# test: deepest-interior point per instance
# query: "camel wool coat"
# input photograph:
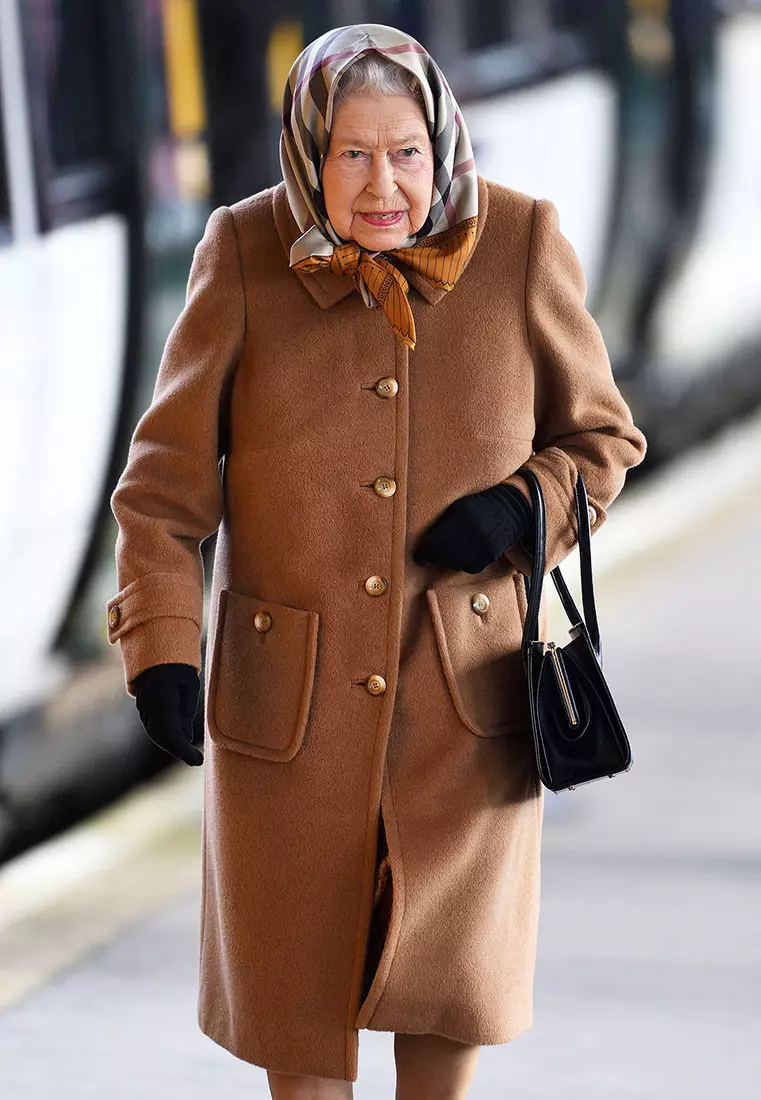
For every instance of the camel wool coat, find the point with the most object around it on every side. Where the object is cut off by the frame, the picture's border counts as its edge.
(346, 687)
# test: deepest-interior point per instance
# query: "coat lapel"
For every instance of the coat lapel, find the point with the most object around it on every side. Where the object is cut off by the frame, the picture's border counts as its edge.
(327, 288)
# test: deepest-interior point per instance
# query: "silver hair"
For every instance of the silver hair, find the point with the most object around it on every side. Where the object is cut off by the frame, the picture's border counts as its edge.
(375, 74)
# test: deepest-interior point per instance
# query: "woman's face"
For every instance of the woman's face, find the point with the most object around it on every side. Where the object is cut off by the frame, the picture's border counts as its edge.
(380, 161)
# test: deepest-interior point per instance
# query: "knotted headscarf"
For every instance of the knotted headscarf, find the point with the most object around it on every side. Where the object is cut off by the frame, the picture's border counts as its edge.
(439, 249)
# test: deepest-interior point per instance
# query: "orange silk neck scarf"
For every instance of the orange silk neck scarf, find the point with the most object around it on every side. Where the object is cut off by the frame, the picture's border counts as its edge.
(440, 259)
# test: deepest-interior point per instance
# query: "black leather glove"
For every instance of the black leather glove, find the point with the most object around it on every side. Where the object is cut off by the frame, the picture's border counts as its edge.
(476, 529)
(167, 699)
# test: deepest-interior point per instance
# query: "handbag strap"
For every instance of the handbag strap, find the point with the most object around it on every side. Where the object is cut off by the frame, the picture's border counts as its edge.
(534, 586)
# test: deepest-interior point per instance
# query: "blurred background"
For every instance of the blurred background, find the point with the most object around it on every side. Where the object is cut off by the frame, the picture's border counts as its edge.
(123, 123)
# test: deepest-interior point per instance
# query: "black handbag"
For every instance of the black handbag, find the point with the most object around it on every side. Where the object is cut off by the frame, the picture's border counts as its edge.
(578, 733)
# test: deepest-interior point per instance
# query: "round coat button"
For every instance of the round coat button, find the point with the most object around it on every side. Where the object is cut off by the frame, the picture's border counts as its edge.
(376, 585)
(386, 387)
(375, 684)
(262, 621)
(384, 486)
(480, 603)
(592, 514)
(114, 615)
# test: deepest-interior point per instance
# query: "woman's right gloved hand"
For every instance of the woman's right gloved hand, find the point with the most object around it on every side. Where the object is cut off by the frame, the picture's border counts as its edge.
(167, 699)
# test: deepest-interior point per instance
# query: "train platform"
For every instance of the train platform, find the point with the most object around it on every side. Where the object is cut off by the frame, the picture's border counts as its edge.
(649, 960)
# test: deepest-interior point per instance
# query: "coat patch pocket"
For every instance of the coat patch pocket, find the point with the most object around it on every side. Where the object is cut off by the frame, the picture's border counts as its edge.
(478, 628)
(262, 675)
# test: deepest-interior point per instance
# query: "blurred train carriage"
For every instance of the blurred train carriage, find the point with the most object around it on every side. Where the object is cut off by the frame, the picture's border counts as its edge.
(123, 122)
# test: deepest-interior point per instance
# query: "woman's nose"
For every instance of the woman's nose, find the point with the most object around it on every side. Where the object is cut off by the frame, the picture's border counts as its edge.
(382, 182)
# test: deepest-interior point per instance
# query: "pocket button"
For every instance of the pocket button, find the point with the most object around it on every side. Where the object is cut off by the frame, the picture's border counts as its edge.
(262, 621)
(480, 603)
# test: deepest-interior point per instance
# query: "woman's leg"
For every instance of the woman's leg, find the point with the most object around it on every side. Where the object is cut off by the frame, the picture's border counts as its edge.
(295, 1086)
(432, 1067)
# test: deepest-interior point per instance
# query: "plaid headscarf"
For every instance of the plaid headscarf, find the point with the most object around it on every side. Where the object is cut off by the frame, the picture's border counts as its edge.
(438, 250)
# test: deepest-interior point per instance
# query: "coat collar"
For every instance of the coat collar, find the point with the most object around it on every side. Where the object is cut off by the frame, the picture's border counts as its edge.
(327, 288)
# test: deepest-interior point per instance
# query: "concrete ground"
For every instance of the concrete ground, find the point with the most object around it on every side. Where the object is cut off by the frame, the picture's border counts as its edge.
(648, 981)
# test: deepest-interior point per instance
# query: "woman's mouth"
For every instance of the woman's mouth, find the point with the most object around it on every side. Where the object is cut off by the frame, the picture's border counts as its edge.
(381, 220)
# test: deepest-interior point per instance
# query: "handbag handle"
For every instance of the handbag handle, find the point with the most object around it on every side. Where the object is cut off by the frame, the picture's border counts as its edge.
(534, 586)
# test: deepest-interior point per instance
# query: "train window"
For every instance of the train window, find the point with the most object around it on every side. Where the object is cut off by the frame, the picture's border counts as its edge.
(68, 48)
(492, 22)
(486, 23)
(504, 45)
(69, 40)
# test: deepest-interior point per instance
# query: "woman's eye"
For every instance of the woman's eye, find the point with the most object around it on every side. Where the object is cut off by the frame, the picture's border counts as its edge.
(356, 154)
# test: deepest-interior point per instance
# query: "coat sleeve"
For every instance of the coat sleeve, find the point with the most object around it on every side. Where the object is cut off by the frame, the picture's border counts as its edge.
(582, 421)
(169, 497)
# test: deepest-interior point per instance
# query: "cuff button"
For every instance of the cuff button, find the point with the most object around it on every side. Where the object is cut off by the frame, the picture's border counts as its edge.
(114, 615)
(592, 515)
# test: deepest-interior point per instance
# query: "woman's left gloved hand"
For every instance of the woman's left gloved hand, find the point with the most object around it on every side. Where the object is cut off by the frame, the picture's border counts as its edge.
(476, 529)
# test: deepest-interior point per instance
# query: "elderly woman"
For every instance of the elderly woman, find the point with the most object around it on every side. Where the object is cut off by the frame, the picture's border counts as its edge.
(368, 352)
